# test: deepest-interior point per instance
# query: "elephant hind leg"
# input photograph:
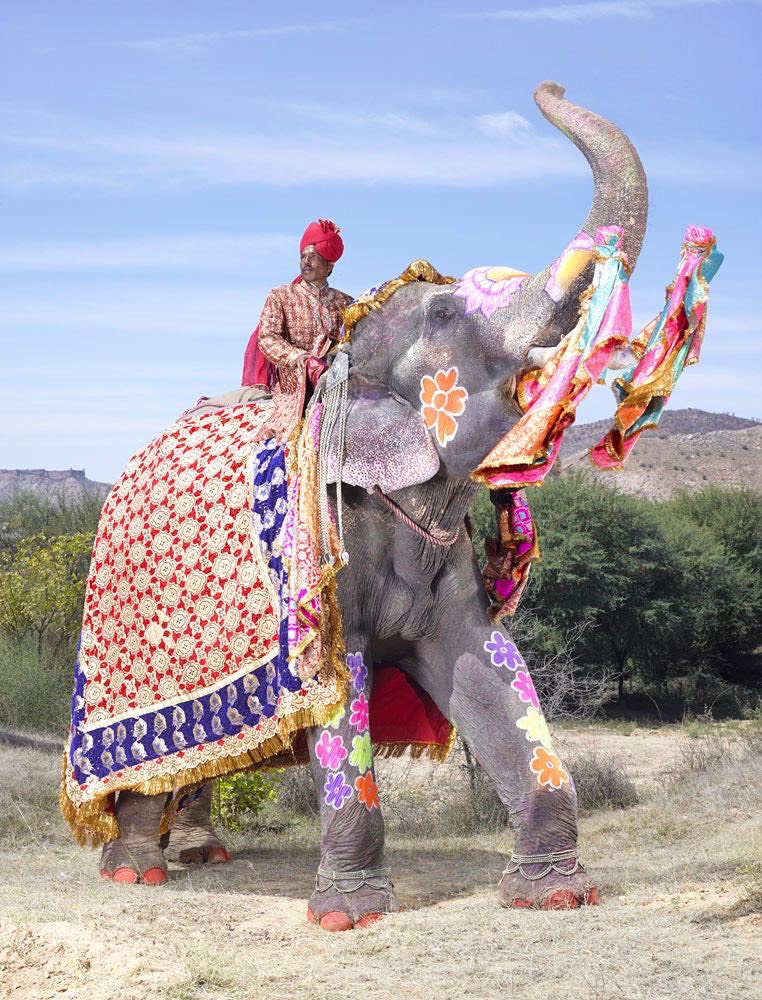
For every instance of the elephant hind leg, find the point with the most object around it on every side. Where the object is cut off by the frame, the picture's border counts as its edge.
(136, 855)
(192, 839)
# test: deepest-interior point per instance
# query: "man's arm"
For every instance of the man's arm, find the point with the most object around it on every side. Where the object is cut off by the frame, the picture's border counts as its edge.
(273, 334)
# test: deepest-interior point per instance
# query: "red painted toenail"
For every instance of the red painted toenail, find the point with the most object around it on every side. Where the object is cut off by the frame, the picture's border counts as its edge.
(311, 916)
(154, 876)
(561, 900)
(368, 919)
(522, 904)
(218, 856)
(126, 875)
(105, 873)
(335, 920)
(591, 897)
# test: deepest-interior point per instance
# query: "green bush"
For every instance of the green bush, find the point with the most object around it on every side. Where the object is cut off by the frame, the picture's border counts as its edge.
(239, 798)
(35, 687)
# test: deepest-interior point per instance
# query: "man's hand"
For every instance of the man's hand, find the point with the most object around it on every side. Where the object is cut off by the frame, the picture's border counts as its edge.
(315, 368)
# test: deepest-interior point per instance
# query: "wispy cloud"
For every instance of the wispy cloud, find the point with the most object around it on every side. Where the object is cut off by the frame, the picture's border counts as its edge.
(210, 253)
(348, 148)
(196, 43)
(629, 9)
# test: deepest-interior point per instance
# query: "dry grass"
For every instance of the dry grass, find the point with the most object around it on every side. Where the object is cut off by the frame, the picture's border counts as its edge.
(677, 873)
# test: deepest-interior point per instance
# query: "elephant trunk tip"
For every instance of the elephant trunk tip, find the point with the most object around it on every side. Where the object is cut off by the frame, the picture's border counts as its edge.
(548, 88)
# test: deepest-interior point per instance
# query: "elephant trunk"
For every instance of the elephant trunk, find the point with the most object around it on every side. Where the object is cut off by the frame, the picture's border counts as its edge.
(621, 198)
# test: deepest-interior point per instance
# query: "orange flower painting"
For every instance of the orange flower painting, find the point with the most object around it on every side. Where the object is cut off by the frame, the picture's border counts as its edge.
(367, 790)
(443, 402)
(548, 768)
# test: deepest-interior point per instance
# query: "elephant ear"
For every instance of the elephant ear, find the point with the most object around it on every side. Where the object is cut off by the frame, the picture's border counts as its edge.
(386, 443)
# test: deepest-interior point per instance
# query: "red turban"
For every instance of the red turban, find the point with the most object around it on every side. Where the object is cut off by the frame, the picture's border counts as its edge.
(324, 235)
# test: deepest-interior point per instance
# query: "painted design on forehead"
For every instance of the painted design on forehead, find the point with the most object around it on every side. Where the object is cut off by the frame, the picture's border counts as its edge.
(565, 270)
(487, 289)
(443, 401)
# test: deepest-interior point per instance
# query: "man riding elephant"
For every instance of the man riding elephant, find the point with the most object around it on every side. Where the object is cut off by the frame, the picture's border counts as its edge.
(299, 324)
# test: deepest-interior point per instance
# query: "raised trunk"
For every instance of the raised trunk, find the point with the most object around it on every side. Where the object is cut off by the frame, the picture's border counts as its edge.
(620, 198)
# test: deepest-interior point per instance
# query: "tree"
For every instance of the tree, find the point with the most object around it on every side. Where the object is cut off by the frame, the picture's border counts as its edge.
(42, 588)
(604, 560)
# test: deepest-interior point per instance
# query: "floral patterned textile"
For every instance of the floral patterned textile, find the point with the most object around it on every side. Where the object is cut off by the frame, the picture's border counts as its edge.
(667, 345)
(210, 632)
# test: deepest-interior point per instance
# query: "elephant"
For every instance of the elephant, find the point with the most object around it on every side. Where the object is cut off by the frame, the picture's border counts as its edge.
(411, 593)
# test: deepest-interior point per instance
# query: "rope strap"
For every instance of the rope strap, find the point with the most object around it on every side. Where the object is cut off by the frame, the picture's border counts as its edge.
(550, 861)
(374, 878)
(443, 541)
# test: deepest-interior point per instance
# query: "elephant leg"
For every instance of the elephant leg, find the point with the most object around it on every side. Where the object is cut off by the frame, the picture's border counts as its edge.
(192, 839)
(136, 855)
(480, 682)
(353, 886)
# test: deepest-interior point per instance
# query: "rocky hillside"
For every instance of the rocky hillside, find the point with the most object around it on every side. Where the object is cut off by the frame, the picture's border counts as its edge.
(687, 421)
(71, 482)
(690, 449)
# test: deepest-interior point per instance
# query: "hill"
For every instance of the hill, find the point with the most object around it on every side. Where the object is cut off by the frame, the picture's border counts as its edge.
(580, 437)
(45, 482)
(663, 463)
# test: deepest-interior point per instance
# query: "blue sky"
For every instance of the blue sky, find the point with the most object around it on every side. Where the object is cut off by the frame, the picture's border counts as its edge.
(160, 162)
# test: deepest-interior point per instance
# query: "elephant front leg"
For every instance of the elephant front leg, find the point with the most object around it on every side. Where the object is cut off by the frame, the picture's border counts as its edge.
(353, 885)
(481, 682)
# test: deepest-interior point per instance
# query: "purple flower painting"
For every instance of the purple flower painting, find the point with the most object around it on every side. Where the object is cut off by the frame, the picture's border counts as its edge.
(487, 289)
(358, 672)
(503, 652)
(337, 791)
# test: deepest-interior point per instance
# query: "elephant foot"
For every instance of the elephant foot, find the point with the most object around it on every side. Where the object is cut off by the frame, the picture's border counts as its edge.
(136, 857)
(192, 840)
(550, 884)
(345, 900)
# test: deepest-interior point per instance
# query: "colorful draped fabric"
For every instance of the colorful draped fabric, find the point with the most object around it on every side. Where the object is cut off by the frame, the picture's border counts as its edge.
(667, 345)
(210, 631)
(510, 555)
(550, 397)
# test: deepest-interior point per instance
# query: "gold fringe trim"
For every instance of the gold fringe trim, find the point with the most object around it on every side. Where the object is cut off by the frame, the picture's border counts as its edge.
(418, 270)
(92, 825)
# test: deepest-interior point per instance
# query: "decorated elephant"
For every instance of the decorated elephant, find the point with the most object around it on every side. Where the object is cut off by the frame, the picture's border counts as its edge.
(431, 389)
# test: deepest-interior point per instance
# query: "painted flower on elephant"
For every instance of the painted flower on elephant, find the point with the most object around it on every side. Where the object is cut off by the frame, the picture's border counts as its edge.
(330, 750)
(358, 672)
(535, 728)
(336, 718)
(362, 754)
(523, 685)
(337, 790)
(360, 713)
(547, 767)
(503, 652)
(367, 790)
(443, 400)
(487, 289)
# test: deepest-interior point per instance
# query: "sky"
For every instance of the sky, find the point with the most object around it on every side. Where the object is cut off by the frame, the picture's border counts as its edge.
(160, 162)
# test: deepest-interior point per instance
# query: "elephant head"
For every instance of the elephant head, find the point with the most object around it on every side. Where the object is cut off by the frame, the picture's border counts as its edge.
(433, 370)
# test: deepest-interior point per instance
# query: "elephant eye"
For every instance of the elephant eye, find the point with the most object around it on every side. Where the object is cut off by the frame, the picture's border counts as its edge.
(441, 313)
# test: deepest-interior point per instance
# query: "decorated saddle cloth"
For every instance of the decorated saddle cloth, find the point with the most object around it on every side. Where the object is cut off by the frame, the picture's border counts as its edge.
(211, 636)
(210, 631)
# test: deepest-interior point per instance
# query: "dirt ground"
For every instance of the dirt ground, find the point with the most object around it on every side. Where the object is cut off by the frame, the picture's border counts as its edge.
(680, 876)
